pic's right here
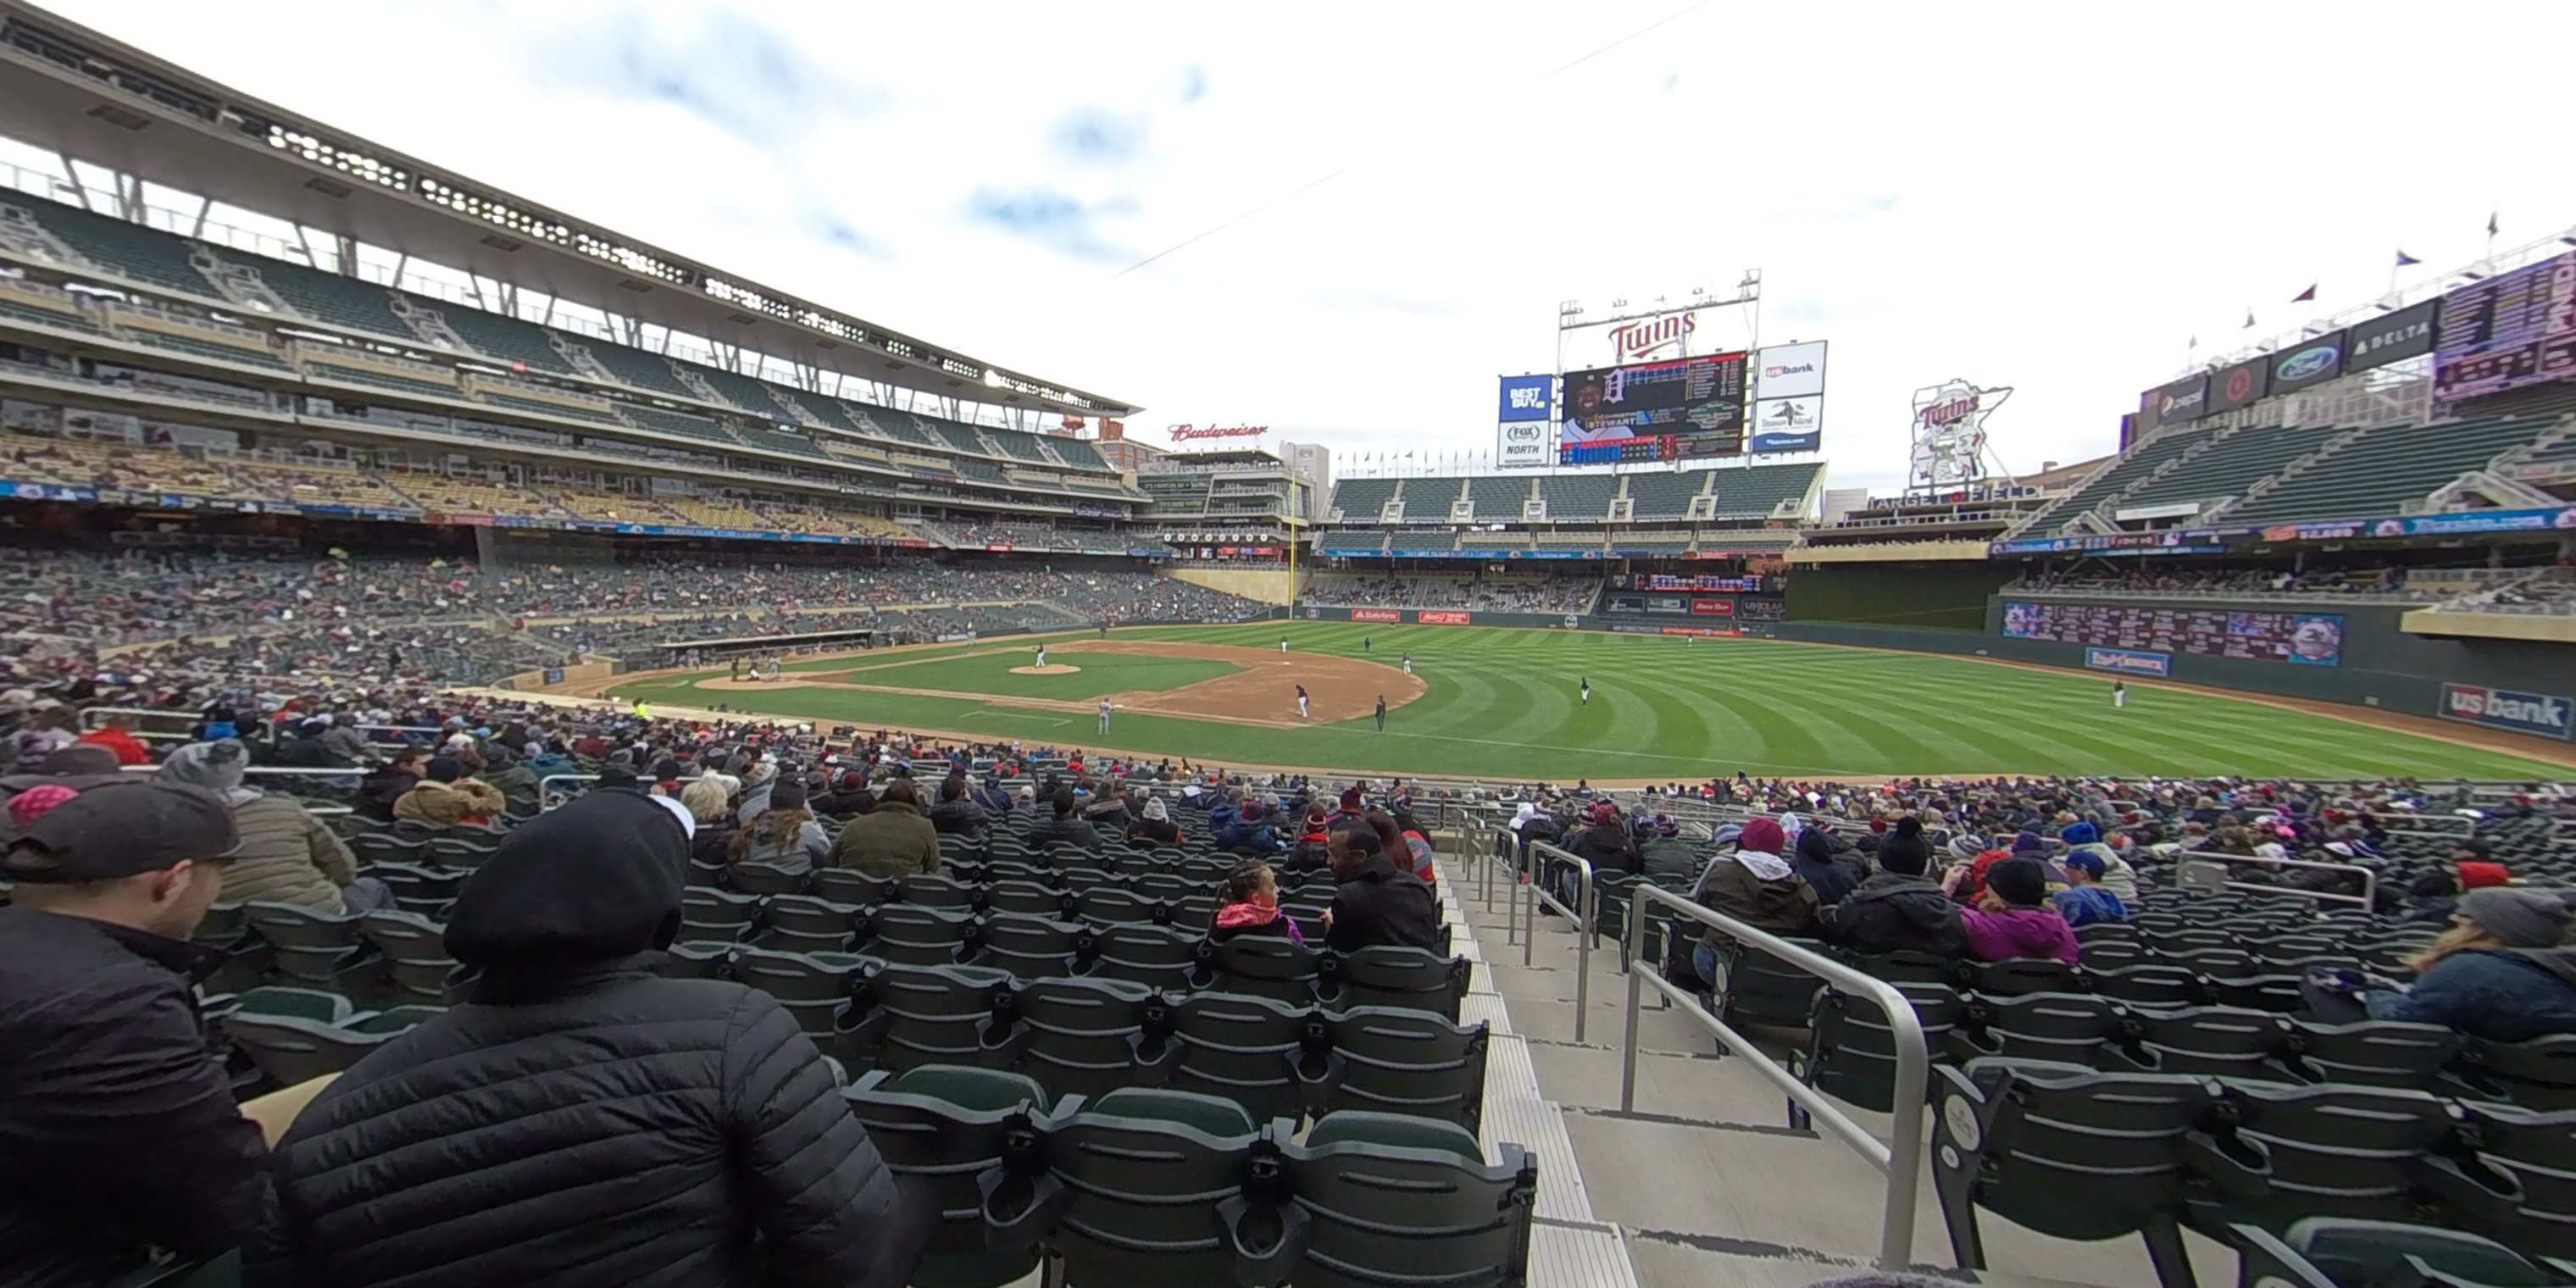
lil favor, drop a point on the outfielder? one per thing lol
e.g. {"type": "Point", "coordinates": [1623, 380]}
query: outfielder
{"type": "Point", "coordinates": [2119, 695]}
{"type": "Point", "coordinates": [1381, 713]}
{"type": "Point", "coordinates": [1586, 682]}
{"type": "Point", "coordinates": [1301, 702]}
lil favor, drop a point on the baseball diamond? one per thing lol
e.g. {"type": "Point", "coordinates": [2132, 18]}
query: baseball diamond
{"type": "Point", "coordinates": [1504, 702]}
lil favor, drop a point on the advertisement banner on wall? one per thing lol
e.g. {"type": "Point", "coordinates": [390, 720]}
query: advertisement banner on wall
{"type": "Point", "coordinates": [1675, 604]}
{"type": "Point", "coordinates": [2547, 714]}
{"type": "Point", "coordinates": [1788, 424]}
{"type": "Point", "coordinates": [1713, 607]}
{"type": "Point", "coordinates": [2129, 661]}
{"type": "Point", "coordinates": [1376, 615]}
{"type": "Point", "coordinates": [1789, 370]}
{"type": "Point", "coordinates": [1523, 443]}
{"type": "Point", "coordinates": [2184, 399]}
{"type": "Point", "coordinates": [2240, 385]}
{"type": "Point", "coordinates": [1442, 617]}
{"type": "Point", "coordinates": [2463, 523]}
{"type": "Point", "coordinates": [2309, 362]}
{"type": "Point", "coordinates": [2406, 333]}
{"type": "Point", "coordinates": [1527, 398]}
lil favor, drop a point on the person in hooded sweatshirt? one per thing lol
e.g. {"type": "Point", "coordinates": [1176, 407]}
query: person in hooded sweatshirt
{"type": "Point", "coordinates": [1156, 825]}
{"type": "Point", "coordinates": [1898, 908]}
{"type": "Point", "coordinates": [2502, 971]}
{"type": "Point", "coordinates": [2012, 918]}
{"type": "Point", "coordinates": [2116, 877]}
{"type": "Point", "coordinates": [582, 1122]}
{"type": "Point", "coordinates": [1754, 885]}
{"type": "Point", "coordinates": [1831, 878]}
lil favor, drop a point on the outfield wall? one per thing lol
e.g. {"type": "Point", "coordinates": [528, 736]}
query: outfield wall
{"type": "Point", "coordinates": [2381, 665]}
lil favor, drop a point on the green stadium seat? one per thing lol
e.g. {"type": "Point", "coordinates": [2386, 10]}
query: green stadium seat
{"type": "Point", "coordinates": [904, 1016]}
{"type": "Point", "coordinates": [130, 250]}
{"type": "Point", "coordinates": [1395, 1061]}
{"type": "Point", "coordinates": [965, 1135]}
{"type": "Point", "coordinates": [1076, 1036]}
{"type": "Point", "coordinates": [1147, 1181]}
{"type": "Point", "coordinates": [1387, 1199]}
{"type": "Point", "coordinates": [2064, 1151]}
{"type": "Point", "coordinates": [2327, 1252]}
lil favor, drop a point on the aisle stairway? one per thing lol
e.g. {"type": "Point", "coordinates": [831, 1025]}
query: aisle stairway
{"type": "Point", "coordinates": [1705, 1182]}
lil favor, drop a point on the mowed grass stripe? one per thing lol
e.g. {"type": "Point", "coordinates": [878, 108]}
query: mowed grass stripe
{"type": "Point", "coordinates": [1501, 703]}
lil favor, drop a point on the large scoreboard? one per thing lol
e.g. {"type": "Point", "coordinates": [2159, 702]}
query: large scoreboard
{"type": "Point", "coordinates": [2315, 639]}
{"type": "Point", "coordinates": [1678, 407]}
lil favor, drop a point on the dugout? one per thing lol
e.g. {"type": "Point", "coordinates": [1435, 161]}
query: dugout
{"type": "Point", "coordinates": [700, 652]}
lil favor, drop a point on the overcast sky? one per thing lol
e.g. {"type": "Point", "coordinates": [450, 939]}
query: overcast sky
{"type": "Point", "coordinates": [1392, 198]}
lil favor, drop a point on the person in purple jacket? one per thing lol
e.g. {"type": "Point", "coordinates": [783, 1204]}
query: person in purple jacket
{"type": "Point", "coordinates": [2012, 917]}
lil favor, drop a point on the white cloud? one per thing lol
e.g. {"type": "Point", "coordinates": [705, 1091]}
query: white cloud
{"type": "Point", "coordinates": [2021, 194]}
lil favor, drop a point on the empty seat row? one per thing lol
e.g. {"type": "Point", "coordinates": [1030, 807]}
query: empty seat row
{"type": "Point", "coordinates": [1143, 1188]}
{"type": "Point", "coordinates": [1850, 1049]}
{"type": "Point", "coordinates": [2083, 1154]}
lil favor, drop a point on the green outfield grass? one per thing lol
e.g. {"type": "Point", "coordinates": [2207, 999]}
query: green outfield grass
{"type": "Point", "coordinates": [1503, 703]}
{"type": "Point", "coordinates": [991, 673]}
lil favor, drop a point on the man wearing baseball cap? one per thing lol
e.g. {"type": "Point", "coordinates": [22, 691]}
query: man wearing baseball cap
{"type": "Point", "coordinates": [118, 1131]}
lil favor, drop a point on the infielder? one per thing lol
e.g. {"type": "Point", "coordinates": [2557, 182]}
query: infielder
{"type": "Point", "coordinates": [1104, 716]}
{"type": "Point", "coordinates": [1301, 702]}
{"type": "Point", "coordinates": [1283, 643]}
{"type": "Point", "coordinates": [1408, 661]}
{"type": "Point", "coordinates": [1364, 643]}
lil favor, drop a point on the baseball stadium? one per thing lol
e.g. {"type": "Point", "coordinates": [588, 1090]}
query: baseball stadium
{"type": "Point", "coordinates": [535, 759]}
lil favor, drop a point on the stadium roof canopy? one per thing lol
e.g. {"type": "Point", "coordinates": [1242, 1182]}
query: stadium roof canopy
{"type": "Point", "coordinates": [90, 98]}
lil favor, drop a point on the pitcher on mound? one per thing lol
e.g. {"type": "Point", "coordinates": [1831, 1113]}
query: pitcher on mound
{"type": "Point", "coordinates": [1301, 702]}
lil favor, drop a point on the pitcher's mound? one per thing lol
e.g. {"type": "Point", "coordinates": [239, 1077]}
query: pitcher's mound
{"type": "Point", "coordinates": [1052, 668]}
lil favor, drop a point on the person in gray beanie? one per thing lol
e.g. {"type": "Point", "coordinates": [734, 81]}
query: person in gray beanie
{"type": "Point", "coordinates": [2502, 971]}
{"type": "Point", "coordinates": [286, 855]}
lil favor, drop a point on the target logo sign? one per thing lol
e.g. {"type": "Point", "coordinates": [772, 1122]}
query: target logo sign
{"type": "Point", "coordinates": [2240, 385]}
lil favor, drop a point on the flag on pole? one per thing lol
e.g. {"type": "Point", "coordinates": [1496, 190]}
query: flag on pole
{"type": "Point", "coordinates": [2491, 223]}
{"type": "Point", "coordinates": [2308, 296]}
{"type": "Point", "coordinates": [2404, 259]}
{"type": "Point", "coordinates": [2249, 317]}
{"type": "Point", "coordinates": [2192, 343]}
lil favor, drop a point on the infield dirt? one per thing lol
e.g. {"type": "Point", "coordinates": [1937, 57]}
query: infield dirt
{"type": "Point", "coordinates": [1263, 693]}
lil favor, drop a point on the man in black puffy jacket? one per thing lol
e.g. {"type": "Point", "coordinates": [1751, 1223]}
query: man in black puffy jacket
{"type": "Point", "coordinates": [583, 1122]}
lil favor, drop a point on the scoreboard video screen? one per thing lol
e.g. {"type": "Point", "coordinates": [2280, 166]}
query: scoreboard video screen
{"type": "Point", "coordinates": [2315, 639]}
{"type": "Point", "coordinates": [1679, 407]}
{"type": "Point", "coordinates": [2515, 329]}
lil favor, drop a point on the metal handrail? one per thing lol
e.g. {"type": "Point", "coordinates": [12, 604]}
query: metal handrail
{"type": "Point", "coordinates": [1900, 1156]}
{"type": "Point", "coordinates": [2368, 898]}
{"type": "Point", "coordinates": [1581, 913]}
{"type": "Point", "coordinates": [269, 771]}
{"type": "Point", "coordinates": [546, 796]}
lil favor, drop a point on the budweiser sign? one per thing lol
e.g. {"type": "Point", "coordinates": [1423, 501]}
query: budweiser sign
{"type": "Point", "coordinates": [1637, 339]}
{"type": "Point", "coordinates": [1184, 433]}
{"type": "Point", "coordinates": [1438, 617]}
